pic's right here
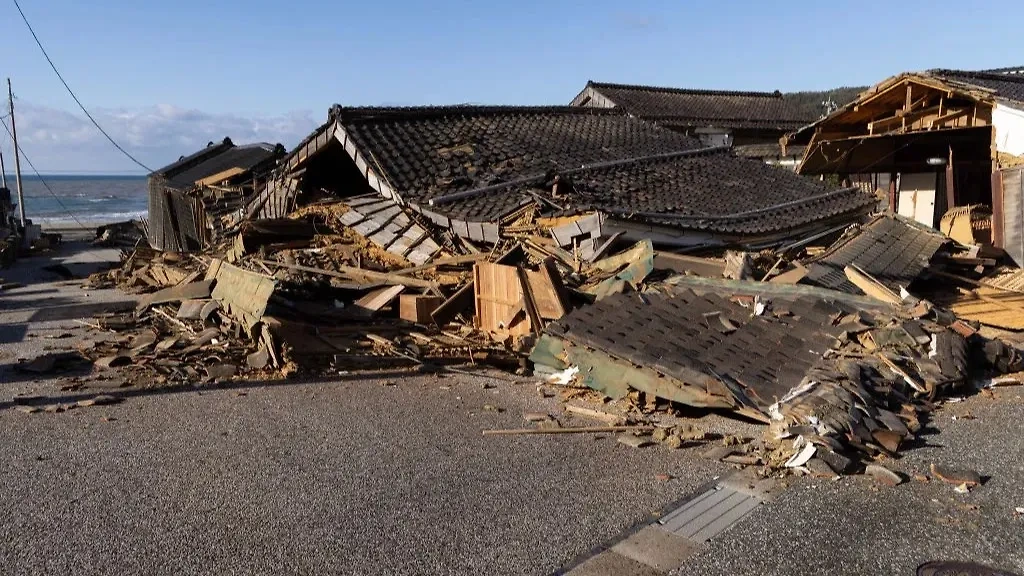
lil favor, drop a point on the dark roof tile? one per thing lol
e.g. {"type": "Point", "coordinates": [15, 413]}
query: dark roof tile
{"type": "Point", "coordinates": [426, 152]}
{"type": "Point", "coordinates": [1007, 83]}
{"type": "Point", "coordinates": [477, 164]}
{"type": "Point", "coordinates": [727, 109]}
{"type": "Point", "coordinates": [217, 158]}
{"type": "Point", "coordinates": [892, 250]}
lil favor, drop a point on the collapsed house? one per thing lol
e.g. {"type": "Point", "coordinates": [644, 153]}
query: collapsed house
{"type": "Point", "coordinates": [188, 198]}
{"type": "Point", "coordinates": [481, 172]}
{"type": "Point", "coordinates": [596, 249]}
{"type": "Point", "coordinates": [941, 143]}
{"type": "Point", "coordinates": [753, 122]}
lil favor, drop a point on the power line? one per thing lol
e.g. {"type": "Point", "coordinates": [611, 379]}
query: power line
{"type": "Point", "coordinates": [70, 91]}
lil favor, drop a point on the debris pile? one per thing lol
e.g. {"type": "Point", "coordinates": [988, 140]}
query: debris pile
{"type": "Point", "coordinates": [836, 329]}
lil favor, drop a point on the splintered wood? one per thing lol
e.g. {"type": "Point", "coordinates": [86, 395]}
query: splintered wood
{"type": "Point", "coordinates": [513, 301]}
{"type": "Point", "coordinates": [500, 305]}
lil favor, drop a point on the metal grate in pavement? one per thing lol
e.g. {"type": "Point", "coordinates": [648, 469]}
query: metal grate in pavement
{"type": "Point", "coordinates": [709, 514]}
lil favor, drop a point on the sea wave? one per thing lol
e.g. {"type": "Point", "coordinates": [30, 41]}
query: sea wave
{"type": "Point", "coordinates": [92, 219]}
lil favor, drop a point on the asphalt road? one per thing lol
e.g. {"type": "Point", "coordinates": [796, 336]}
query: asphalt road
{"type": "Point", "coordinates": [344, 477]}
{"type": "Point", "coordinates": [853, 526]}
{"type": "Point", "coordinates": [389, 474]}
{"type": "Point", "coordinates": [378, 474]}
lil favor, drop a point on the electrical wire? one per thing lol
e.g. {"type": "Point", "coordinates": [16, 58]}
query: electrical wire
{"type": "Point", "coordinates": [70, 91]}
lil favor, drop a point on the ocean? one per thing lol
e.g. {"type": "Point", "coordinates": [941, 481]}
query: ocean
{"type": "Point", "coordinates": [85, 200]}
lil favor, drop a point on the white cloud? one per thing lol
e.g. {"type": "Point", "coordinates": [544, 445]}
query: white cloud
{"type": "Point", "coordinates": [60, 141]}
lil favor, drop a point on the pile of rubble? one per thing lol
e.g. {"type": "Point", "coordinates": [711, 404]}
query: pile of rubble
{"type": "Point", "coordinates": [827, 346]}
{"type": "Point", "coordinates": [589, 249]}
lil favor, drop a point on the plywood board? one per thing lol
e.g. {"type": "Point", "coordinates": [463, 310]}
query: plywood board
{"type": "Point", "coordinates": [992, 308]}
{"type": "Point", "coordinates": [377, 299]}
{"type": "Point", "coordinates": [220, 176]}
{"type": "Point", "coordinates": [547, 296]}
{"type": "Point", "coordinates": [499, 292]}
{"type": "Point", "coordinates": [243, 294]}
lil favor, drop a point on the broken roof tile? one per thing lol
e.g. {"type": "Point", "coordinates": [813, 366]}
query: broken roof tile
{"type": "Point", "coordinates": [893, 250]}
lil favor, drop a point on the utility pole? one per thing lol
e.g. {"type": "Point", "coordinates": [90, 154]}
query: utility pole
{"type": "Point", "coordinates": [17, 156]}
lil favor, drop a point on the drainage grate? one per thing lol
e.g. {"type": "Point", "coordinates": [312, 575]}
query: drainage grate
{"type": "Point", "coordinates": [709, 514]}
{"type": "Point", "coordinates": [958, 569]}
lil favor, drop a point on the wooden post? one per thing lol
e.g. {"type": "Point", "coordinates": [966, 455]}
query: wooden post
{"type": "Point", "coordinates": [3, 171]}
{"type": "Point", "coordinates": [17, 156]}
{"type": "Point", "coordinates": [893, 193]}
{"type": "Point", "coordinates": [950, 189]}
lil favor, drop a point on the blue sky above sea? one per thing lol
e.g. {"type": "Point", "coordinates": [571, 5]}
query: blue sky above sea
{"type": "Point", "coordinates": [166, 78]}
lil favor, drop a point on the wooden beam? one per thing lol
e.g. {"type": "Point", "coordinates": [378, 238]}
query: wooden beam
{"type": "Point", "coordinates": [870, 286]}
{"type": "Point", "coordinates": [919, 102]}
{"type": "Point", "coordinates": [351, 273]}
{"type": "Point", "coordinates": [902, 118]}
{"type": "Point", "coordinates": [943, 118]}
{"type": "Point", "coordinates": [453, 261]}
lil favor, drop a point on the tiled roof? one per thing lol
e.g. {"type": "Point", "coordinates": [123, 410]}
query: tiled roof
{"type": "Point", "coordinates": [1007, 70]}
{"type": "Point", "coordinates": [217, 158]}
{"type": "Point", "coordinates": [772, 150]}
{"type": "Point", "coordinates": [1007, 83]}
{"type": "Point", "coordinates": [707, 189]}
{"type": "Point", "coordinates": [426, 152]}
{"type": "Point", "coordinates": [728, 109]}
{"type": "Point", "coordinates": [892, 250]}
{"type": "Point", "coordinates": [462, 165]}
{"type": "Point", "coordinates": [714, 191]}
{"type": "Point", "coordinates": [184, 162]}
{"type": "Point", "coordinates": [682, 335]}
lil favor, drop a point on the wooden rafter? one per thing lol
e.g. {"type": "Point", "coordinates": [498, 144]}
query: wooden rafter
{"type": "Point", "coordinates": [944, 118]}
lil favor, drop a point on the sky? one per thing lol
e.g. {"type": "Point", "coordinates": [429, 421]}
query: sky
{"type": "Point", "coordinates": [165, 78]}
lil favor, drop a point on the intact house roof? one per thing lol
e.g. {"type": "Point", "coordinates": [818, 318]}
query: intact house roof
{"type": "Point", "coordinates": [224, 158]}
{"type": "Point", "coordinates": [678, 107]}
{"type": "Point", "coordinates": [467, 167]}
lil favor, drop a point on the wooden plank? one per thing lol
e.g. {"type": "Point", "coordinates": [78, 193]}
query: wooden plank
{"type": "Point", "coordinates": [244, 295]}
{"type": "Point", "coordinates": [870, 286]}
{"type": "Point", "coordinates": [791, 276]}
{"type": "Point", "coordinates": [709, 267]}
{"type": "Point", "coordinates": [529, 302]}
{"type": "Point", "coordinates": [350, 273]}
{"type": "Point", "coordinates": [418, 308]}
{"type": "Point", "coordinates": [462, 300]}
{"type": "Point", "coordinates": [610, 419]}
{"type": "Point", "coordinates": [581, 430]}
{"type": "Point", "coordinates": [546, 296]}
{"type": "Point", "coordinates": [944, 118]}
{"type": "Point", "coordinates": [191, 309]}
{"type": "Point", "coordinates": [496, 286]}
{"type": "Point", "coordinates": [220, 176]}
{"type": "Point", "coordinates": [192, 291]}
{"type": "Point", "coordinates": [973, 282]}
{"type": "Point", "coordinates": [453, 261]}
{"type": "Point", "coordinates": [459, 302]}
{"type": "Point", "coordinates": [377, 299]}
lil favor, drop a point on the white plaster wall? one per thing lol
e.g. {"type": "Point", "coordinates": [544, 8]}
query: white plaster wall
{"type": "Point", "coordinates": [1009, 126]}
